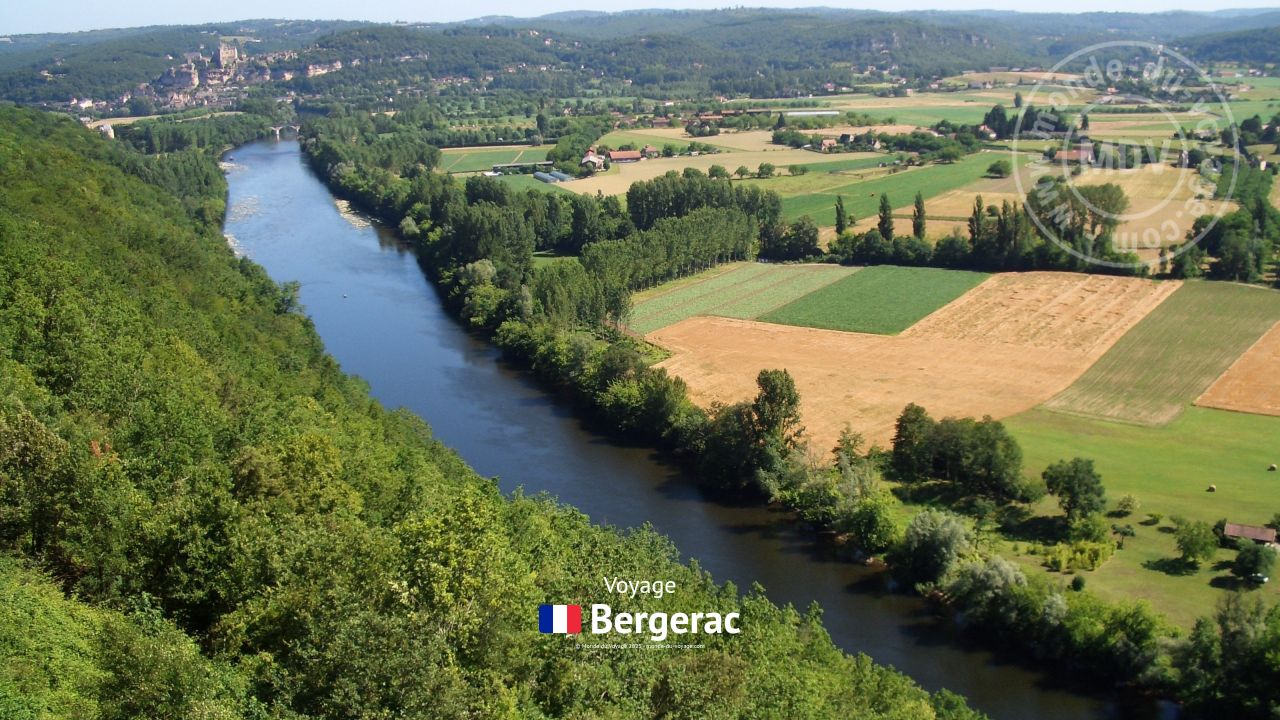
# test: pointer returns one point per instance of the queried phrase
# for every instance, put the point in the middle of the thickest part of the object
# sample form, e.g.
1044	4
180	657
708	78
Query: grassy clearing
1169	469
862	198
746	291
885	299
460	160
1172	356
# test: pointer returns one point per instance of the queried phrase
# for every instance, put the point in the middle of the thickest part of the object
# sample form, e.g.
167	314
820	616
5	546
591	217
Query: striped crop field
743	290
1172	355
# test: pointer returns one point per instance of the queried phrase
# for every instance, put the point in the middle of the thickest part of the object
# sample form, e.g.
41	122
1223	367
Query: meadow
1169	470
1173	354
884	299
477	159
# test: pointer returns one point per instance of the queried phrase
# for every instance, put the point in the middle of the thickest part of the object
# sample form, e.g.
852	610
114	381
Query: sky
19	16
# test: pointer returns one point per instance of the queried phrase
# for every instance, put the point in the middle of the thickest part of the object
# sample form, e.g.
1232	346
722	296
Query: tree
934	541
872	525
1253	560
742	171
917	217
765	170
1196	541
777	407
999	169
1078	487
1187	263
1017	100
1084	121
842	219
885	224
718	172
912	456
977	223
798	241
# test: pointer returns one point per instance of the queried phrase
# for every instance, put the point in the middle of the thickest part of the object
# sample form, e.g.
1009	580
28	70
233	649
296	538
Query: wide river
382	320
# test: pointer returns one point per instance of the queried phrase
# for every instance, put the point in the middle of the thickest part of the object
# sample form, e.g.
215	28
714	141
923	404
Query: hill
203	517
1255	47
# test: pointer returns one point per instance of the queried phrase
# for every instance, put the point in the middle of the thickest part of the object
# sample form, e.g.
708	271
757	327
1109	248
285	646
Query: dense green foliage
175	443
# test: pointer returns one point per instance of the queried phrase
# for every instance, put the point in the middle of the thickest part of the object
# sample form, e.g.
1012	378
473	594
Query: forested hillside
1258	46
203	517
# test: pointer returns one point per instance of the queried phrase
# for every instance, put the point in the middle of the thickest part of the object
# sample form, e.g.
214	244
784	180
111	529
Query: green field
862	198
461	160
1169	469
884	299
742	290
1172	355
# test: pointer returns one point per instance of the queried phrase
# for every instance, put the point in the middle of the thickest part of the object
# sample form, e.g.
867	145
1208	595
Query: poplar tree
886	218
917	219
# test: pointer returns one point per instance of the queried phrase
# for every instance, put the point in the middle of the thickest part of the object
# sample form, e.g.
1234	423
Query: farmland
744	290
1172	356
884	300
1252	383
476	159
1168	469
621	175
862	198
1045	328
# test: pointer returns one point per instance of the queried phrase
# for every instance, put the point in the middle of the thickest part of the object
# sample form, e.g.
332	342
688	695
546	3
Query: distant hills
730	51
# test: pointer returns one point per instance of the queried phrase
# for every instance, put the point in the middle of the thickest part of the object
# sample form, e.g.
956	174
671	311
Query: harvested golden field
1049	310
1163	204
1004	347
1252	383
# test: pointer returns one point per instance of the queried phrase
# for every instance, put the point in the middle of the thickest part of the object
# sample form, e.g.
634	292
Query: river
383	321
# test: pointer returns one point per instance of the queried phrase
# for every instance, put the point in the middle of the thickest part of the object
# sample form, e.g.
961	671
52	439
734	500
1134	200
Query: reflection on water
383	321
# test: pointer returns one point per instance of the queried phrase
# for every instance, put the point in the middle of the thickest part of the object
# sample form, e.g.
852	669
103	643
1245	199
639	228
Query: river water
383	321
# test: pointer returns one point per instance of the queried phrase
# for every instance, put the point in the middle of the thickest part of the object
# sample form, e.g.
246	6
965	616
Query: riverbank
419	357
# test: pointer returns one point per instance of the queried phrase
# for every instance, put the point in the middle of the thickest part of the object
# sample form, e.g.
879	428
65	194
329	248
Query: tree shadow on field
1230	582
1034	528
1172	566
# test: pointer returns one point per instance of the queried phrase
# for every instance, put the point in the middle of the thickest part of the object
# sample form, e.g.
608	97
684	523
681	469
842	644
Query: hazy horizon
60	16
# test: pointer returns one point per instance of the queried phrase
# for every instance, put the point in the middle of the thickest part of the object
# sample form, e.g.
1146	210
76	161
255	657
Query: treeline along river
382	320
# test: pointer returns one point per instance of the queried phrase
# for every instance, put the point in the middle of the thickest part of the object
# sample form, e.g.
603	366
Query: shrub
934	541
1077	583
872	525
1253	560
1127	505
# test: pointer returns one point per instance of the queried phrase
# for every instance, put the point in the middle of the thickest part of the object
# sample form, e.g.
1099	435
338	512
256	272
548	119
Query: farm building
624	156
1082	155
650	151
1257	534
591	158
520	167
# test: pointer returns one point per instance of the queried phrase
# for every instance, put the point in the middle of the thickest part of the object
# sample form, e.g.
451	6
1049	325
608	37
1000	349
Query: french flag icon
560	619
